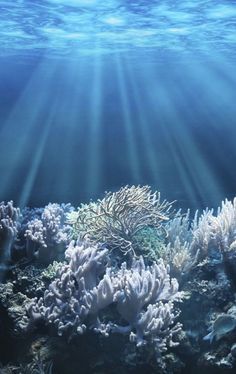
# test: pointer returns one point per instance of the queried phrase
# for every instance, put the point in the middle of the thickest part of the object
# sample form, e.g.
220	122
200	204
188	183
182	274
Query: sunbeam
173	114
127	120
94	161
20	142
150	152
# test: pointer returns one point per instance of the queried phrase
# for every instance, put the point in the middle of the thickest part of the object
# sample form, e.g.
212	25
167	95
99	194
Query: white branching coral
9	225
179	238
77	290
156	324
119	216
49	229
145	299
223	226
78	298
202	233
216	232
208	235
178	255
179	227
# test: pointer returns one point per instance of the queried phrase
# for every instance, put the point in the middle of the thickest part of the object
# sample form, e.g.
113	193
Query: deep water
74	127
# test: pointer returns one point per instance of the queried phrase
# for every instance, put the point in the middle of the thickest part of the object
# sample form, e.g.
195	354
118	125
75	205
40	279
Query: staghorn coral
48	231
118	217
80	297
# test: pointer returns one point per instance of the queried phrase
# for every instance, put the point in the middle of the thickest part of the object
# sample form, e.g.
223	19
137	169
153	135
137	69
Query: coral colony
126	268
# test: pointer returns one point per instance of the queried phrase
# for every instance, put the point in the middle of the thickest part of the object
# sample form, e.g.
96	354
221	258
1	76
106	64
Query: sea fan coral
118	217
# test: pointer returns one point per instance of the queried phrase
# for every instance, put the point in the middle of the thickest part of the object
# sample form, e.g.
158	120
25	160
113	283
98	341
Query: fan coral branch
119	216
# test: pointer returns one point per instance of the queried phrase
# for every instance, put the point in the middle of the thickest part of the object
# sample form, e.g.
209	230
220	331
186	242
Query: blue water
63	26
95	95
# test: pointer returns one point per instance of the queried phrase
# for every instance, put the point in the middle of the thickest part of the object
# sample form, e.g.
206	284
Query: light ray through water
94	162
150	153
198	177
69	125
16	139
128	122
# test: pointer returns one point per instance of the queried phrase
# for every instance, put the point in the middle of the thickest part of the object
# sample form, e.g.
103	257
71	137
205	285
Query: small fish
233	246
221	326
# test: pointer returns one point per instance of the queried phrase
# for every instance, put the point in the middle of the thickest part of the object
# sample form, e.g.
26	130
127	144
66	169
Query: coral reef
123	284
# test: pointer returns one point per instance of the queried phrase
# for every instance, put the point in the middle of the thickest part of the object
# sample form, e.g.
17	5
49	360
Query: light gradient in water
117	109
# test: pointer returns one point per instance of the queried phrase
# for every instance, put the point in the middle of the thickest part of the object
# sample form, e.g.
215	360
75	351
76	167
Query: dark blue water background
95	96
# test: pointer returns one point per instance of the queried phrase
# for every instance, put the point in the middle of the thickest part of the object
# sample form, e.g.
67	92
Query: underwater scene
118	187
